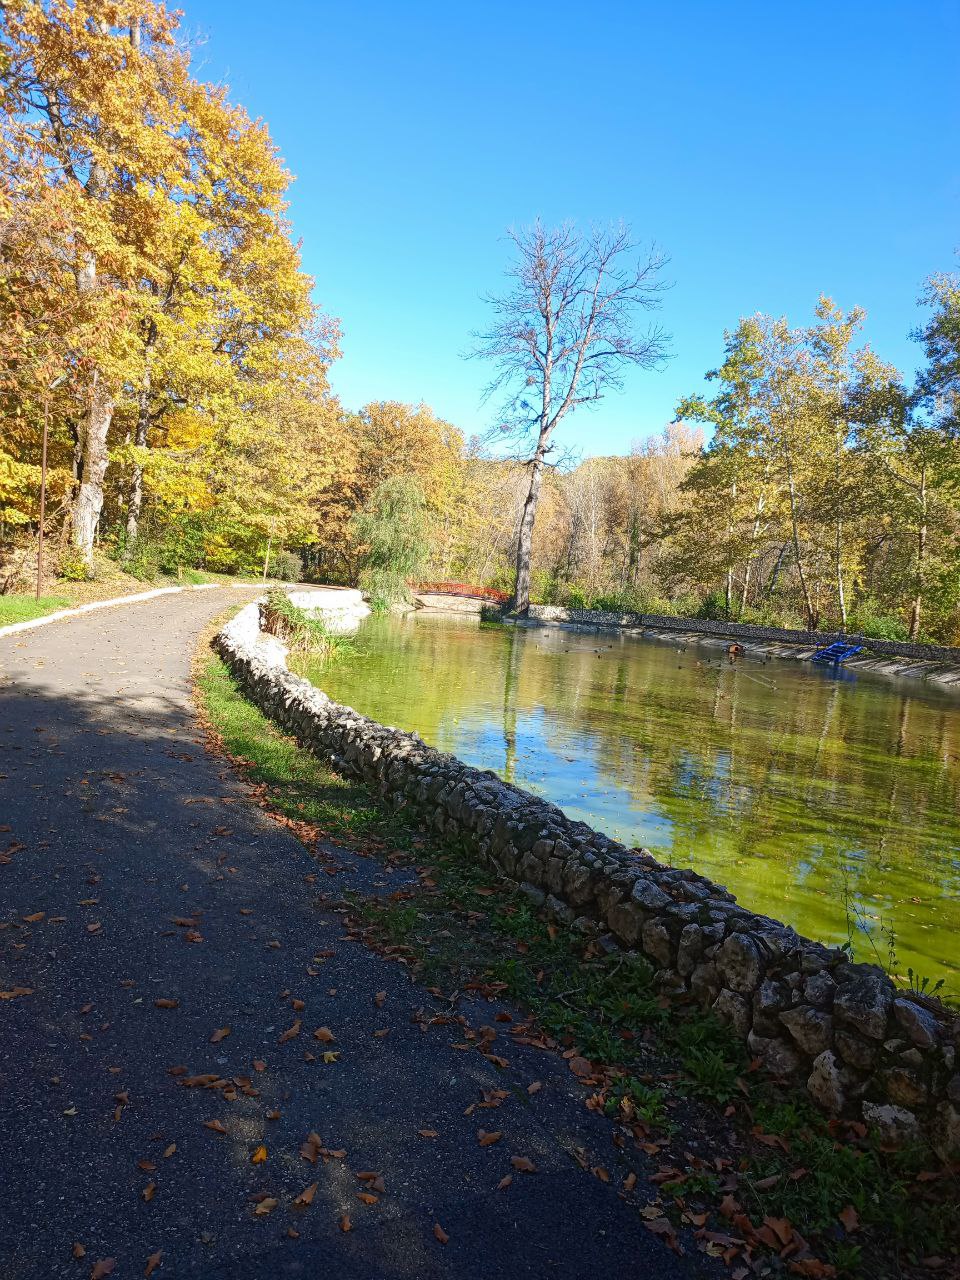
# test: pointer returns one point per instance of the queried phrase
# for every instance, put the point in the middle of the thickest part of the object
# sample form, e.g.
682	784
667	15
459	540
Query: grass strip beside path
22	608
765	1182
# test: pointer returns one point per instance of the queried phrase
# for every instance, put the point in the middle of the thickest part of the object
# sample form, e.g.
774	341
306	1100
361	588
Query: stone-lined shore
939	664
841	1030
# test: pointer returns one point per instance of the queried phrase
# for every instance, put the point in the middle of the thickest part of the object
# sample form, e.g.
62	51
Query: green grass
22	608
665	1065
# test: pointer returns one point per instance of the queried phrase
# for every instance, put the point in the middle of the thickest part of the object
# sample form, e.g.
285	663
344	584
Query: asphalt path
146	904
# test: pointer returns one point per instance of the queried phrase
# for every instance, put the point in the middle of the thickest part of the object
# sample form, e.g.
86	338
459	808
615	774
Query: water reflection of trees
775	778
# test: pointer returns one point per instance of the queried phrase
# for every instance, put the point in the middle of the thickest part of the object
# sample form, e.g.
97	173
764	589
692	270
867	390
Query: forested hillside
154	310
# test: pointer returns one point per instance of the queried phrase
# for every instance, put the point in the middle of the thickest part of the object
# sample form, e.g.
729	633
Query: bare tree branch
563	335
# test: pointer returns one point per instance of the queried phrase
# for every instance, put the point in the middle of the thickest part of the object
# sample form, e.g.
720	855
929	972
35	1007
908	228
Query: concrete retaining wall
840	1030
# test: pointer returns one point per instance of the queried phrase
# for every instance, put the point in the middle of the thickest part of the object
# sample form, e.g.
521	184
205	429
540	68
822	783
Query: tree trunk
841	594
921	558
135	498
88	502
747	574
521	595
795	531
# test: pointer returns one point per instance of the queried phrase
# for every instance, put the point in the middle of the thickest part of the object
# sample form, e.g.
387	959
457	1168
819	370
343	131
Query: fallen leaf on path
345	1223
16	991
102	1268
78	1251
505	1182
291	1032
146	1165
535	1087
216	1125
169	1151
148	1191
166	1003
522	1164
428	1133
488	1139
220	1034
153	1262
259	1156
440	1234
324	1035
306	1195
367	1198
35	917
379	999
266	1206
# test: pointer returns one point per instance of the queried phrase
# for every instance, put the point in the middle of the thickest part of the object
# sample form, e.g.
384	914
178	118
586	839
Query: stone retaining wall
741	630
839	1029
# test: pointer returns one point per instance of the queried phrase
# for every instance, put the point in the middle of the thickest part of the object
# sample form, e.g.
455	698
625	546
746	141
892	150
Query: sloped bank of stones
842	1030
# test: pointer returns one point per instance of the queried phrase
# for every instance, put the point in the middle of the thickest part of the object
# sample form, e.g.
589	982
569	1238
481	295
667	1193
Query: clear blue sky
775	150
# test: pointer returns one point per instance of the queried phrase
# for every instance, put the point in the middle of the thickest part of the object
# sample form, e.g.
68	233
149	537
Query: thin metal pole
43	491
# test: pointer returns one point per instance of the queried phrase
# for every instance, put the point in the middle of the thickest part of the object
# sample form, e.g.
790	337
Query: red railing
461	589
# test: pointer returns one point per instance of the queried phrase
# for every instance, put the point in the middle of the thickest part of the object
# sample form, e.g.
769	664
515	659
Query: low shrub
286	566
73	567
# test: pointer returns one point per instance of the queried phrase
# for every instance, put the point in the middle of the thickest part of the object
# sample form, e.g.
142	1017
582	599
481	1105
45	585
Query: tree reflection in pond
800	790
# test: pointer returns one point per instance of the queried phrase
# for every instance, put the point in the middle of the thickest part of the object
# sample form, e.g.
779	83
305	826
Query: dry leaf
488	1139
781	1228
366	1197
850	1219
290	1032
440	1234
220	1034
216	1125
102	1268
428	1133
78	1251
535	1087
267	1205
169	1151
259	1065
379	999
306	1195
324	1035
345	1223
165	1003
153	1262
505	1182
148	1191
523	1165
630	1181
259	1156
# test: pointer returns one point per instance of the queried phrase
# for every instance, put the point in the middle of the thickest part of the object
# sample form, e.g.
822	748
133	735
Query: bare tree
562	336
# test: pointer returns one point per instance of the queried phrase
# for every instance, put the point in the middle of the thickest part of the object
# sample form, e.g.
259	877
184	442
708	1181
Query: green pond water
830	802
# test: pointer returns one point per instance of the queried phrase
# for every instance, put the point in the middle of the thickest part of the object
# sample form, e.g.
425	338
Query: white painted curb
14	627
